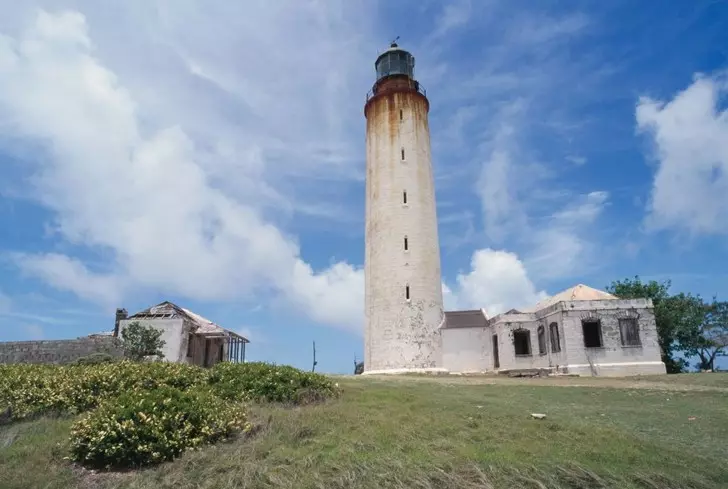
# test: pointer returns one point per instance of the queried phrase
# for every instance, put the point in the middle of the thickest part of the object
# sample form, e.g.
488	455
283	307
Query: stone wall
57	351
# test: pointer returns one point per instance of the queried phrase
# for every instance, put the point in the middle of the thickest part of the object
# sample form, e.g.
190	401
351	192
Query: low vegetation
144	413
147	427
262	382
664	432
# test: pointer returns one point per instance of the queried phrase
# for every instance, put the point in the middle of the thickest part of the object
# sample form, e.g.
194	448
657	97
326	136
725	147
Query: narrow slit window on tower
406	244
401	114
406	292
402	154
404	197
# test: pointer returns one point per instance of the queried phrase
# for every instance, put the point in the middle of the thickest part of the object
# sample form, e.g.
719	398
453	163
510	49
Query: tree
707	334
139	341
670	313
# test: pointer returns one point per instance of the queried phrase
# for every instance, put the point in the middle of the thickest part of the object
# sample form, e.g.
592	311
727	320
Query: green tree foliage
705	333
141	341
670	313
685	322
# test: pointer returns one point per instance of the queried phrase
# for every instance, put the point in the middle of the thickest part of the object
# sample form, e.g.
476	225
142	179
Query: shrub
267	382
35	389
94	359
139	341
147	427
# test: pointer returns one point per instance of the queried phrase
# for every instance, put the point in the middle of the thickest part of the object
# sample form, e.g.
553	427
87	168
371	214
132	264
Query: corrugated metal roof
170	310
465	319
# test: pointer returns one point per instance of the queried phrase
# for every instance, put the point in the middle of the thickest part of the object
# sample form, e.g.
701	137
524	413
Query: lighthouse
403	288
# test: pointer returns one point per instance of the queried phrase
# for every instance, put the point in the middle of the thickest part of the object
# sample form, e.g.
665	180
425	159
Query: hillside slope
437	433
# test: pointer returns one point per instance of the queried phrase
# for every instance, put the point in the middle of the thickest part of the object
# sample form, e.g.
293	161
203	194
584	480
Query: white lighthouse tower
403	298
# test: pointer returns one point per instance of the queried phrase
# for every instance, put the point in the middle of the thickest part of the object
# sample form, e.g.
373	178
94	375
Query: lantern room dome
395	61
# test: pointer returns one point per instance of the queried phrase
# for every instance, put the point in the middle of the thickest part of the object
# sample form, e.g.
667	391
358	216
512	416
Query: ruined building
580	330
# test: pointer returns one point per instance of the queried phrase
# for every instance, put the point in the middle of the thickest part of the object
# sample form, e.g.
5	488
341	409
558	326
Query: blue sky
212	154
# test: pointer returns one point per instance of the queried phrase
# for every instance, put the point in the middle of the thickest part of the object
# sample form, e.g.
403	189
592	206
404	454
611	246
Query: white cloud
454	14
690	137
118	183
564	245
252	334
522	203
66	273
576	160
34	332
5	303
497	281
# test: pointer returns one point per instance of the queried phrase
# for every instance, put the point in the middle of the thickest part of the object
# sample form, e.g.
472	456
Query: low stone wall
57	351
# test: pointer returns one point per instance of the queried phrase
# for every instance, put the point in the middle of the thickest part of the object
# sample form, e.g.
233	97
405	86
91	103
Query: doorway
496	360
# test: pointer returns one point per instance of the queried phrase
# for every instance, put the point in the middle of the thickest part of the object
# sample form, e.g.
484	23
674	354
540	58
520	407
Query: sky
211	153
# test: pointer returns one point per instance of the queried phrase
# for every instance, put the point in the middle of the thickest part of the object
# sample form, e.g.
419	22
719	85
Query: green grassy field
664	432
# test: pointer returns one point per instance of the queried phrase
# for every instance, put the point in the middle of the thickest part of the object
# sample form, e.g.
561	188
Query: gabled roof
465	319
169	310
579	292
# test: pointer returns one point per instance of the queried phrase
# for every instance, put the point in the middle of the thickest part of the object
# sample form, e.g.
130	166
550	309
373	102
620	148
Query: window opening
404	197
406	292
541	340
629	332
555	340
406	244
190	340
402	154
592	329
522	342
401	114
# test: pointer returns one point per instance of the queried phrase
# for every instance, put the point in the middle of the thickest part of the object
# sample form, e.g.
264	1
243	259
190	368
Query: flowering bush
34	389
267	382
146	427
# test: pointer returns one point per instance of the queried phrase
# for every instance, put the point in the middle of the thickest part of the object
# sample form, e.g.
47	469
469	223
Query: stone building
189	337
578	331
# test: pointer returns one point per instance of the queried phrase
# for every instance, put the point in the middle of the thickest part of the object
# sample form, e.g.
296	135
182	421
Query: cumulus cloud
497	281
142	193
522	204
690	140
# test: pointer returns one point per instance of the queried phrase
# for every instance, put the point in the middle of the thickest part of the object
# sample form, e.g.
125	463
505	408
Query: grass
442	433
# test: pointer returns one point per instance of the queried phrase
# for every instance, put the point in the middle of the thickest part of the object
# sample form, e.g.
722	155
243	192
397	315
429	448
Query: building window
522	342
406	292
630	332
592	329
541	340
404	197
190	342
401	114
402	154
406	244
555	340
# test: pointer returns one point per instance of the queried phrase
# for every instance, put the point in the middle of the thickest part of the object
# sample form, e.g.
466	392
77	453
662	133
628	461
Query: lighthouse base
402	371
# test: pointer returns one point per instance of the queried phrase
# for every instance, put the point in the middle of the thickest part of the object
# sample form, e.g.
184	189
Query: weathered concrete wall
174	334
506	349
467	349
57	351
401	333
613	358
